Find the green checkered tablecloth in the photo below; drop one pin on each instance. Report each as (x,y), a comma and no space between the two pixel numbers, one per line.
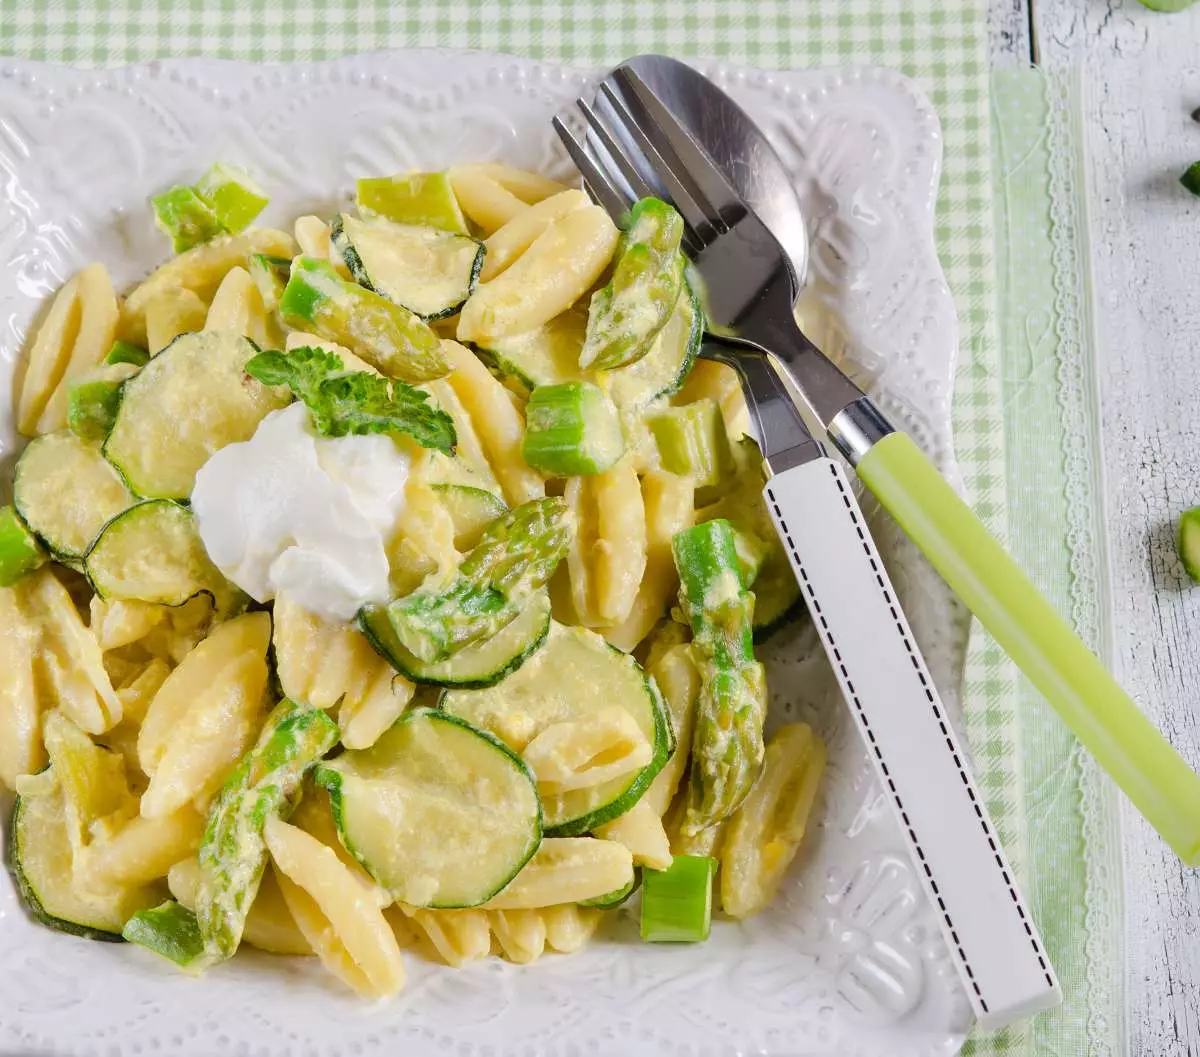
(940,43)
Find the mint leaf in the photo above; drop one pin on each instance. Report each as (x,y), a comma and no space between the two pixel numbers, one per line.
(345,402)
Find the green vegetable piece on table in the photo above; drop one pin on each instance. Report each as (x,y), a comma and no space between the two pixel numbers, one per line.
(92,408)
(168,930)
(727,743)
(185,218)
(420,198)
(1188,542)
(1167,6)
(677,901)
(127,352)
(20,552)
(626,316)
(1191,178)
(515,556)
(234,198)
(389,337)
(571,429)
(357,403)
(270,275)
(692,441)
(233,852)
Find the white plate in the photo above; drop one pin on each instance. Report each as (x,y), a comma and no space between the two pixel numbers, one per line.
(849,960)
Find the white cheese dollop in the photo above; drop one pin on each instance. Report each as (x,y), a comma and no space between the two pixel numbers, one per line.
(288,511)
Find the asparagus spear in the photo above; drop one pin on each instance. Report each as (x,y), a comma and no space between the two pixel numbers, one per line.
(571,428)
(264,784)
(386,335)
(232,195)
(692,441)
(515,557)
(625,316)
(727,742)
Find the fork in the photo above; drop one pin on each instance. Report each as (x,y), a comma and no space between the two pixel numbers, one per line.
(751,290)
(860,624)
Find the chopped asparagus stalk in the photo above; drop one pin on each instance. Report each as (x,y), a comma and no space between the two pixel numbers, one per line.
(1188,541)
(168,930)
(234,198)
(185,218)
(127,352)
(92,408)
(677,901)
(625,316)
(514,558)
(270,275)
(1191,178)
(571,428)
(20,552)
(386,335)
(727,743)
(425,198)
(692,441)
(264,784)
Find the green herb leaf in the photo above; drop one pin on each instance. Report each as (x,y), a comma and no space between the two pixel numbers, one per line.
(1191,178)
(354,402)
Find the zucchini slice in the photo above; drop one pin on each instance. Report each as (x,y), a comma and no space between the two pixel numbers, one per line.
(441,814)
(664,369)
(548,355)
(471,509)
(481,664)
(152,552)
(39,858)
(572,677)
(65,491)
(427,270)
(191,399)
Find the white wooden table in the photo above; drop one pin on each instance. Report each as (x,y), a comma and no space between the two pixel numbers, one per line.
(1143,80)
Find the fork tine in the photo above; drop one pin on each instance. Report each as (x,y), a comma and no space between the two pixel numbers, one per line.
(684,197)
(672,142)
(614,151)
(603,190)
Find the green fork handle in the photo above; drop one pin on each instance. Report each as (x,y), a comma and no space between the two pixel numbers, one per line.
(1127,745)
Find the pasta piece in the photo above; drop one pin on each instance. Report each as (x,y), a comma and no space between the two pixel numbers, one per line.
(21,750)
(641,831)
(142,850)
(528,186)
(679,683)
(313,238)
(668,502)
(238,306)
(469,449)
(178,634)
(98,314)
(48,356)
(424,542)
(500,426)
(119,623)
(315,817)
(515,237)
(458,936)
(70,659)
(324,664)
(521,934)
(269,924)
(485,202)
(171,312)
(340,921)
(569,926)
(567,870)
(558,268)
(576,755)
(200,270)
(764,834)
(205,716)
(608,555)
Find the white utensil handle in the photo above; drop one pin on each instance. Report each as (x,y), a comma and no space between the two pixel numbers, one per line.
(955,850)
